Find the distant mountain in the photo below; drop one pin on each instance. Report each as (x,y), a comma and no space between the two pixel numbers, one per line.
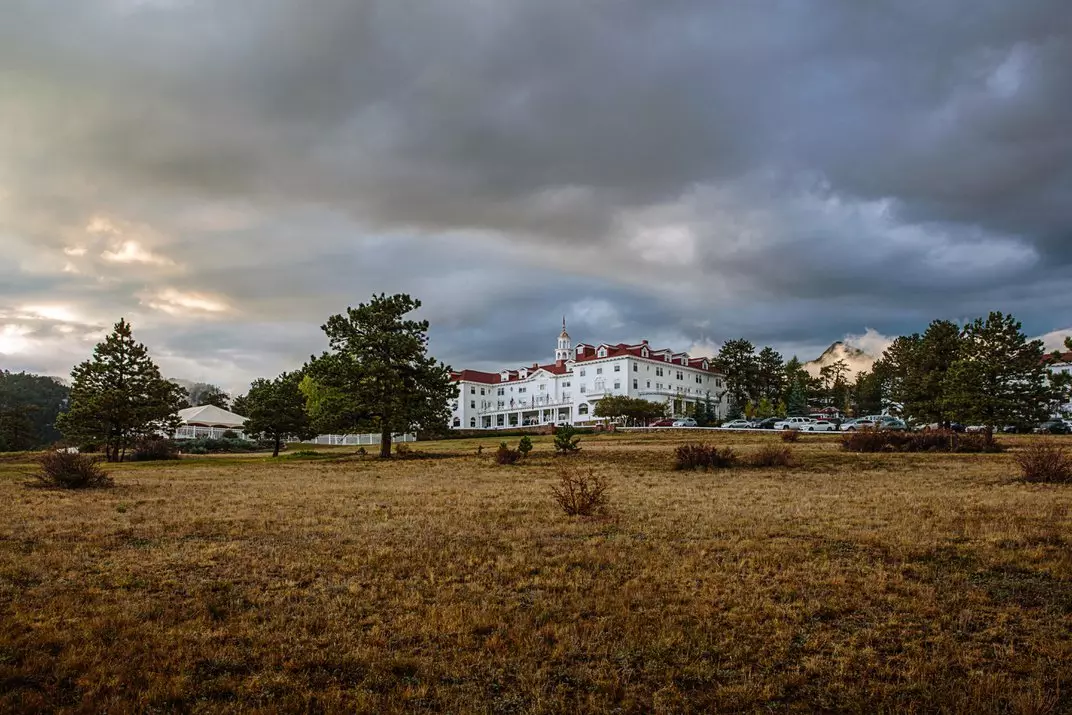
(857,360)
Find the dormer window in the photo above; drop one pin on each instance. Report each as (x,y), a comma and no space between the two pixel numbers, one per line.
(504,376)
(666,357)
(644,352)
(602,352)
(684,361)
(704,364)
(522,374)
(580,350)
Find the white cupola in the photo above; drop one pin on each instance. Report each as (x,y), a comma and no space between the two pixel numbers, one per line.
(564,351)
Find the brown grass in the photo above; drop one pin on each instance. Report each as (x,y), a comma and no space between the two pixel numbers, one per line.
(847,583)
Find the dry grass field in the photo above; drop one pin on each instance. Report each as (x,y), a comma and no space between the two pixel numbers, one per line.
(847,583)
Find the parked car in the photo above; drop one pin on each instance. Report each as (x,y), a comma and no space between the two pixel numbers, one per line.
(767,423)
(1053,427)
(686,422)
(662,423)
(793,423)
(893,423)
(820,426)
(738,424)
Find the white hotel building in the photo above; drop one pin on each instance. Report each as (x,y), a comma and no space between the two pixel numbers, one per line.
(568,389)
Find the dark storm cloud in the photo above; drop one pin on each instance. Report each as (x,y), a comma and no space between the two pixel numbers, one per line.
(692,170)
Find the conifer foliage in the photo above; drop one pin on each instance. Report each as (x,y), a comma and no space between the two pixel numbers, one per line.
(118,396)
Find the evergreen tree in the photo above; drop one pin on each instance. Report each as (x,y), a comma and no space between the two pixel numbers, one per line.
(377,373)
(916,367)
(770,373)
(634,410)
(211,395)
(797,404)
(118,396)
(276,410)
(29,405)
(999,377)
(737,361)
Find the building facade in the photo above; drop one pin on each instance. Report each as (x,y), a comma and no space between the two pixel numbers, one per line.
(567,390)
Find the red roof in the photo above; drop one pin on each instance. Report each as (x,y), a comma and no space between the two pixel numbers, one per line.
(589,353)
(1059,357)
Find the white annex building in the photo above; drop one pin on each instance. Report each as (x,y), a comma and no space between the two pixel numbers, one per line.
(568,389)
(208,421)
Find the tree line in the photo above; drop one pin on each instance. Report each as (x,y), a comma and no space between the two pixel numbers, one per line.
(984,372)
(375,376)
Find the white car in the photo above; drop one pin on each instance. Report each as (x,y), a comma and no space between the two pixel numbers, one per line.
(794,423)
(687,422)
(820,426)
(738,424)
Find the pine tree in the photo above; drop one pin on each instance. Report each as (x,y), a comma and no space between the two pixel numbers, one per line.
(276,410)
(798,400)
(118,396)
(770,371)
(999,377)
(377,373)
(737,361)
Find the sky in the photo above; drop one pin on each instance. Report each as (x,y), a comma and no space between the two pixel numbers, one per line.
(228,174)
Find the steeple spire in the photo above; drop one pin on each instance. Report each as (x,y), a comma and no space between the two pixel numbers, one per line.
(565,349)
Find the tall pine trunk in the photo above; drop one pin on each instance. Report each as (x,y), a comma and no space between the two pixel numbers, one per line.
(385,442)
(275,451)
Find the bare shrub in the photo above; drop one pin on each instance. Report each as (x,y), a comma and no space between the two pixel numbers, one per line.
(580,493)
(152,449)
(1045,462)
(772,456)
(872,440)
(790,435)
(505,455)
(70,470)
(702,456)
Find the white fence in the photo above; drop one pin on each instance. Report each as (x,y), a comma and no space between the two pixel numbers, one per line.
(196,432)
(347,439)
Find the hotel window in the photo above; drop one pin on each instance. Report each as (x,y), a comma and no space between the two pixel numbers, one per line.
(542,387)
(582,389)
(522,389)
(582,372)
(680,375)
(602,352)
(649,383)
(472,421)
(617,385)
(634,383)
(617,368)
(636,367)
(472,404)
(599,371)
(658,372)
(481,390)
(502,390)
(565,384)
(699,380)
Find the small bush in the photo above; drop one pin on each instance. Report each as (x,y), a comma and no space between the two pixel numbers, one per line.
(772,456)
(70,470)
(230,434)
(870,440)
(566,440)
(524,446)
(1046,463)
(210,445)
(361,451)
(154,449)
(402,450)
(505,455)
(580,493)
(702,456)
(790,435)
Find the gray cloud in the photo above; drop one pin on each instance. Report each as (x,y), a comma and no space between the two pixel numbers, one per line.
(230,173)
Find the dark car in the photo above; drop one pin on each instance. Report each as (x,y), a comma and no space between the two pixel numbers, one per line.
(767,423)
(1053,427)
